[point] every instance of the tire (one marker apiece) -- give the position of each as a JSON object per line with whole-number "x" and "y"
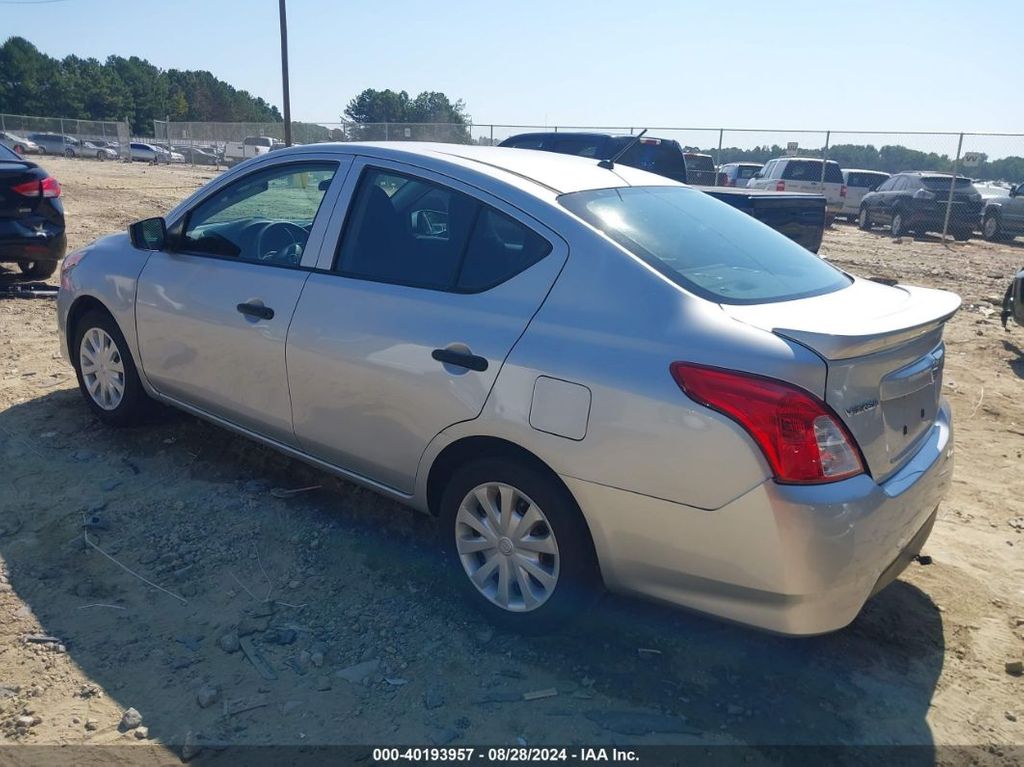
{"x": 38, "y": 270}
{"x": 133, "y": 405}
{"x": 898, "y": 226}
{"x": 829, "y": 221}
{"x": 69, "y": 152}
{"x": 991, "y": 227}
{"x": 962, "y": 235}
{"x": 864, "y": 220}
{"x": 42, "y": 149}
{"x": 100, "y": 156}
{"x": 557, "y": 547}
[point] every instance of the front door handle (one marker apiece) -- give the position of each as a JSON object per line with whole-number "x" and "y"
{"x": 259, "y": 311}
{"x": 460, "y": 359}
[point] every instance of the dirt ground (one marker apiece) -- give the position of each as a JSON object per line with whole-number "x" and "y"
{"x": 322, "y": 581}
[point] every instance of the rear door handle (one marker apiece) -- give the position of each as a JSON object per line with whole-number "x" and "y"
{"x": 259, "y": 311}
{"x": 460, "y": 359}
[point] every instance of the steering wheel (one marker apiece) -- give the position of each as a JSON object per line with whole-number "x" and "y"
{"x": 280, "y": 242}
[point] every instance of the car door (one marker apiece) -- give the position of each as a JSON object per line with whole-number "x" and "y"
{"x": 1013, "y": 211}
{"x": 212, "y": 311}
{"x": 881, "y": 208}
{"x": 403, "y": 329}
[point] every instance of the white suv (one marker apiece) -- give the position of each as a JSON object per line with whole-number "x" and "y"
{"x": 804, "y": 174}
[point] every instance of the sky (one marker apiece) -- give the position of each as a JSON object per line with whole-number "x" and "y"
{"x": 864, "y": 65}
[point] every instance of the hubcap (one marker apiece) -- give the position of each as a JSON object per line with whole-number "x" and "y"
{"x": 507, "y": 547}
{"x": 990, "y": 226}
{"x": 102, "y": 368}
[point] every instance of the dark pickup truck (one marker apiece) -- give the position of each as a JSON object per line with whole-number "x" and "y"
{"x": 801, "y": 217}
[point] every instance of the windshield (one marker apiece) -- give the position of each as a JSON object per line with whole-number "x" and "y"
{"x": 706, "y": 246}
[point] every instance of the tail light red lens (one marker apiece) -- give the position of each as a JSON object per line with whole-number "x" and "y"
{"x": 801, "y": 437}
{"x": 48, "y": 187}
{"x": 780, "y": 186}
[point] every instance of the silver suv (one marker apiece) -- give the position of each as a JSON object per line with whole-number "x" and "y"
{"x": 591, "y": 375}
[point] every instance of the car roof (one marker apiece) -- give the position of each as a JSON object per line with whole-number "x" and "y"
{"x": 531, "y": 169}
{"x": 804, "y": 159}
{"x": 865, "y": 170}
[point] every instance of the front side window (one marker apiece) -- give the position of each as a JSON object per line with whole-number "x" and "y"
{"x": 706, "y": 246}
{"x": 265, "y": 216}
{"x": 409, "y": 231}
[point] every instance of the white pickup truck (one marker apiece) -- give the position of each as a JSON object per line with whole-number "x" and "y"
{"x": 250, "y": 146}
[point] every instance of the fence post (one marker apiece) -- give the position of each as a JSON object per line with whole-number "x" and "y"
{"x": 492, "y": 134}
{"x": 385, "y": 131}
{"x": 824, "y": 156}
{"x": 3, "y": 123}
{"x": 952, "y": 186}
{"x": 718, "y": 157}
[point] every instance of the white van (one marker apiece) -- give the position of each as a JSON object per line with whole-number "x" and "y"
{"x": 859, "y": 183}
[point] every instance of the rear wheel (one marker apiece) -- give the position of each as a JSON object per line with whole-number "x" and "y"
{"x": 991, "y": 228}
{"x": 961, "y": 234}
{"x": 39, "y": 270}
{"x": 898, "y": 227}
{"x": 518, "y": 545}
{"x": 864, "y": 220}
{"x": 107, "y": 376}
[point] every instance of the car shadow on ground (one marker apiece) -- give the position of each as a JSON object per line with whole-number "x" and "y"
{"x": 185, "y": 504}
{"x": 1017, "y": 363}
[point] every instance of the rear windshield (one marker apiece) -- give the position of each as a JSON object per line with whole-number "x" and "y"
{"x": 699, "y": 161}
{"x": 706, "y": 246}
{"x": 663, "y": 158}
{"x": 747, "y": 171}
{"x": 810, "y": 170}
{"x": 867, "y": 180}
{"x": 942, "y": 182}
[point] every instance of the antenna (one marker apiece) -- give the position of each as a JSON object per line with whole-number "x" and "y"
{"x": 609, "y": 164}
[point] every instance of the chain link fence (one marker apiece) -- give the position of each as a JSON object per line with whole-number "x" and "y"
{"x": 88, "y": 139}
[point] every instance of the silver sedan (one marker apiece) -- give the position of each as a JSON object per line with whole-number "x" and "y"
{"x": 591, "y": 375}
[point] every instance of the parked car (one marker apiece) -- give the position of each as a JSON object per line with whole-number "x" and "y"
{"x": 1002, "y": 218}
{"x": 916, "y": 201}
{"x": 152, "y": 153}
{"x": 31, "y": 216}
{"x": 587, "y": 374}
{"x": 801, "y": 218}
{"x": 18, "y": 144}
{"x": 859, "y": 183}
{"x": 803, "y": 174}
{"x": 98, "y": 151}
{"x": 198, "y": 156}
{"x": 989, "y": 189}
{"x": 55, "y": 143}
{"x": 737, "y": 174}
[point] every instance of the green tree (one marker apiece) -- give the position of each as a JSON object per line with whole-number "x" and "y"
{"x": 430, "y": 116}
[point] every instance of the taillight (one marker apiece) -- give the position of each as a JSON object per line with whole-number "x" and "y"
{"x": 801, "y": 437}
{"x": 780, "y": 186}
{"x": 48, "y": 187}
{"x": 842, "y": 191}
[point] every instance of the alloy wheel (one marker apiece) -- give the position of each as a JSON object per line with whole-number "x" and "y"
{"x": 991, "y": 227}
{"x": 507, "y": 547}
{"x": 102, "y": 368}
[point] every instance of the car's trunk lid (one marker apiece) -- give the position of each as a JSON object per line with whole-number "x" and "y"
{"x": 884, "y": 351}
{"x": 13, "y": 173}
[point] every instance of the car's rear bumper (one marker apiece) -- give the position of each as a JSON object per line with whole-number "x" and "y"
{"x": 31, "y": 245}
{"x": 794, "y": 559}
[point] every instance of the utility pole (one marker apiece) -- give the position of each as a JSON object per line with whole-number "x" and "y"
{"x": 284, "y": 75}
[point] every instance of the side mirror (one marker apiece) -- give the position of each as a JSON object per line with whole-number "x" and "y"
{"x": 149, "y": 234}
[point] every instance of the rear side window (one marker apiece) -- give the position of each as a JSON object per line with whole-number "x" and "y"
{"x": 747, "y": 171}
{"x": 409, "y": 231}
{"x": 865, "y": 180}
{"x": 706, "y": 246}
{"x": 661, "y": 157}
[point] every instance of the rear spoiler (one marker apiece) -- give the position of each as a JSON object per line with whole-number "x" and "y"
{"x": 852, "y": 337}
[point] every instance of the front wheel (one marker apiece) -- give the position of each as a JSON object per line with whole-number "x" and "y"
{"x": 519, "y": 547}
{"x": 961, "y": 235}
{"x": 107, "y": 376}
{"x": 991, "y": 229}
{"x": 864, "y": 220}
{"x": 69, "y": 152}
{"x": 898, "y": 227}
